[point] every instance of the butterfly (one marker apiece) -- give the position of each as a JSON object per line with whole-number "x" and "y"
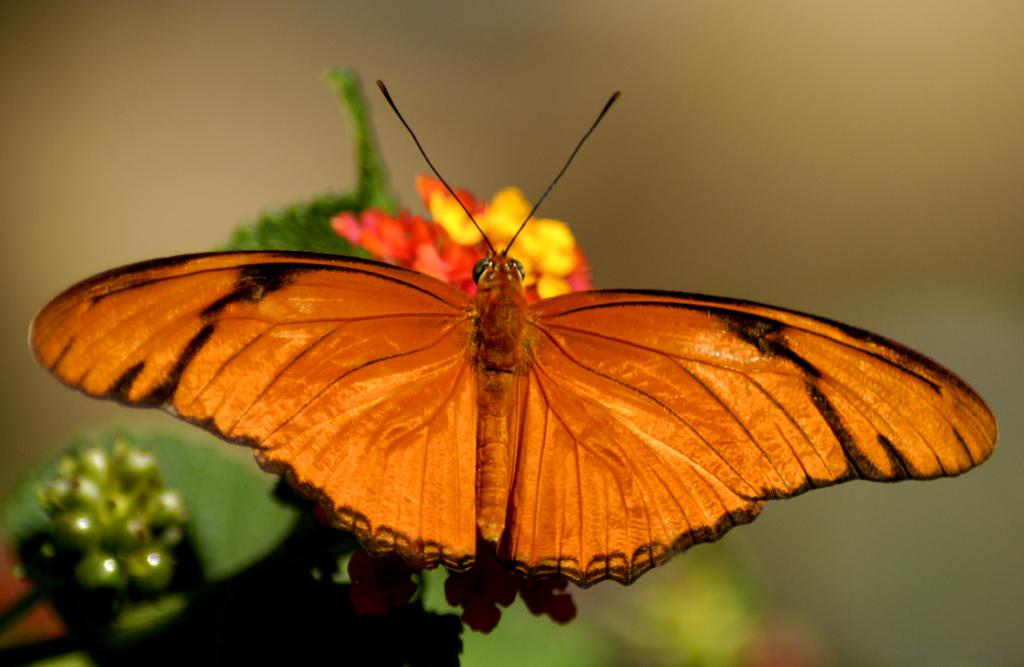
{"x": 587, "y": 436}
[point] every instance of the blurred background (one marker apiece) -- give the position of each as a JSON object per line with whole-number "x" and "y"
{"x": 862, "y": 161}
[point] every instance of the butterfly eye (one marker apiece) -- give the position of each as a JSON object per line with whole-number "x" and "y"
{"x": 480, "y": 267}
{"x": 519, "y": 267}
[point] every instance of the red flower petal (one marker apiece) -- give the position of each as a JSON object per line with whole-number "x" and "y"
{"x": 480, "y": 615}
{"x": 379, "y": 583}
{"x": 346, "y": 225}
{"x": 546, "y": 596}
{"x": 368, "y": 601}
{"x": 481, "y": 589}
{"x": 429, "y": 262}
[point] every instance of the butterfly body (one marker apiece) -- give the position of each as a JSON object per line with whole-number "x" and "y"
{"x": 501, "y": 361}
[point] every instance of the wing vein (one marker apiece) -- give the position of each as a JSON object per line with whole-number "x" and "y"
{"x": 326, "y": 320}
{"x": 277, "y": 266}
{"x": 280, "y": 372}
{"x": 216, "y": 374}
{"x": 735, "y": 418}
{"x": 623, "y": 457}
{"x": 158, "y": 305}
{"x": 859, "y": 406}
{"x": 799, "y": 427}
{"x": 924, "y": 399}
{"x": 341, "y": 377}
{"x": 626, "y": 459}
{"x": 540, "y": 466}
{"x": 657, "y": 402}
{"x": 782, "y": 325}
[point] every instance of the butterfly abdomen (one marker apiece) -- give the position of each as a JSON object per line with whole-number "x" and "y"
{"x": 500, "y": 360}
{"x": 496, "y": 399}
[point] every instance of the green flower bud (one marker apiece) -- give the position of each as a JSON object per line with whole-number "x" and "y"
{"x": 126, "y": 534}
{"x": 151, "y": 569}
{"x": 135, "y": 467}
{"x": 55, "y": 495}
{"x": 93, "y": 463}
{"x": 66, "y": 467}
{"x": 77, "y": 530}
{"x": 85, "y": 493}
{"x": 100, "y": 570}
{"x": 170, "y": 536}
{"x": 113, "y": 511}
{"x": 166, "y": 509}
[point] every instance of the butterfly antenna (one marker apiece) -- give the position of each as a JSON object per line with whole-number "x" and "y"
{"x": 607, "y": 105}
{"x": 387, "y": 96}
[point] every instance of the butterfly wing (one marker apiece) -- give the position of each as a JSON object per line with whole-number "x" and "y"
{"x": 350, "y": 377}
{"x": 652, "y": 421}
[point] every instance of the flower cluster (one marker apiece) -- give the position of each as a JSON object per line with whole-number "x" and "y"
{"x": 381, "y": 583}
{"x": 115, "y": 515}
{"x": 488, "y": 584}
{"x": 449, "y": 245}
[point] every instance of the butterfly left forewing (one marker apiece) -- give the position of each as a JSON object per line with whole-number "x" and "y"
{"x": 714, "y": 406}
{"x": 352, "y": 378}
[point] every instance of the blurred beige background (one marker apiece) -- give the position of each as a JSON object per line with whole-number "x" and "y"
{"x": 863, "y": 161}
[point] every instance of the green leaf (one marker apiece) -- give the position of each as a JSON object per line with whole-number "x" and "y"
{"x": 138, "y": 621}
{"x": 307, "y": 226}
{"x": 233, "y": 518}
{"x": 22, "y": 513}
{"x": 299, "y": 227}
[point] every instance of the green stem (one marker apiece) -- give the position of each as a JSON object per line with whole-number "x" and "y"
{"x": 13, "y": 613}
{"x": 372, "y": 188}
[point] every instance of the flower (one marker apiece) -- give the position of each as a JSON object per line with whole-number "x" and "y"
{"x": 548, "y": 596}
{"x": 448, "y": 246}
{"x": 378, "y": 584}
{"x": 481, "y": 589}
{"x": 488, "y": 584}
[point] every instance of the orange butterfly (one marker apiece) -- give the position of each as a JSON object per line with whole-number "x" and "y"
{"x": 588, "y": 436}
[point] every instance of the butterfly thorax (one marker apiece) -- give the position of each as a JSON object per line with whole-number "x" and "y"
{"x": 502, "y": 309}
{"x": 499, "y": 337}
{"x": 500, "y": 361}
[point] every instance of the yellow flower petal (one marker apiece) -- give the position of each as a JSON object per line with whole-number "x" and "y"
{"x": 548, "y": 286}
{"x": 446, "y": 211}
{"x": 551, "y": 245}
{"x": 555, "y": 233}
{"x": 527, "y": 245}
{"x": 510, "y": 201}
{"x": 504, "y": 214}
{"x": 559, "y": 262}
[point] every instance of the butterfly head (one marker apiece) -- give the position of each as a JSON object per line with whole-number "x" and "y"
{"x": 496, "y": 269}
